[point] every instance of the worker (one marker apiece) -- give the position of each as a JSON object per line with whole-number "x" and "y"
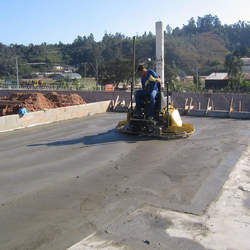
{"x": 22, "y": 110}
{"x": 149, "y": 81}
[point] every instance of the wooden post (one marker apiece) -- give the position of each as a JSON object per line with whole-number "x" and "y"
{"x": 208, "y": 104}
{"x": 122, "y": 103}
{"x": 185, "y": 105}
{"x": 231, "y": 105}
{"x": 111, "y": 105}
{"x": 116, "y": 101}
{"x": 199, "y": 105}
{"x": 190, "y": 104}
{"x": 240, "y": 106}
{"x": 191, "y": 107}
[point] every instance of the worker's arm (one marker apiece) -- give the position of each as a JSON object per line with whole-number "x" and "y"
{"x": 157, "y": 79}
{"x": 152, "y": 79}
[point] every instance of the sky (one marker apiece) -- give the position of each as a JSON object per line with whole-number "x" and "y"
{"x": 54, "y": 21}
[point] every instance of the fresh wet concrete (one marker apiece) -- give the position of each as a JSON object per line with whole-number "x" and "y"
{"x": 61, "y": 182}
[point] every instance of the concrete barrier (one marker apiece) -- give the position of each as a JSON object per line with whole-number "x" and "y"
{"x": 218, "y": 114}
{"x": 240, "y": 115}
{"x": 196, "y": 113}
{"x": 12, "y": 122}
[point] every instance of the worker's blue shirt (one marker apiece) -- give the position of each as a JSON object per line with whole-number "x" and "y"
{"x": 153, "y": 85}
{"x": 22, "y": 111}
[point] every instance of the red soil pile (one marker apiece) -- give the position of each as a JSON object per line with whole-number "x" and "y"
{"x": 37, "y": 101}
{"x": 61, "y": 100}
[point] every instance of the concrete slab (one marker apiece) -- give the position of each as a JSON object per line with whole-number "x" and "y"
{"x": 157, "y": 228}
{"x": 62, "y": 182}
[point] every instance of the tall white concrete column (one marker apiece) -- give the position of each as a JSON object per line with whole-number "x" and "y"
{"x": 160, "y": 51}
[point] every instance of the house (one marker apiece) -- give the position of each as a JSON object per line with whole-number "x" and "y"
{"x": 246, "y": 65}
{"x": 69, "y": 69}
{"x": 69, "y": 76}
{"x": 58, "y": 68}
{"x": 216, "y": 81}
{"x": 246, "y": 76}
{"x": 189, "y": 78}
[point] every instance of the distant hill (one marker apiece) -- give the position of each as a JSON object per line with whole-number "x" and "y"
{"x": 205, "y": 51}
{"x": 204, "y": 43}
{"x": 201, "y": 45}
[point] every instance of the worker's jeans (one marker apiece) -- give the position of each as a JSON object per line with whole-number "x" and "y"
{"x": 140, "y": 95}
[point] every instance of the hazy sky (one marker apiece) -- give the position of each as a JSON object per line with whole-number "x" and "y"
{"x": 51, "y": 21}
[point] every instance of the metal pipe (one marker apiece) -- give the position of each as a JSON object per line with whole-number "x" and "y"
{"x": 133, "y": 79}
{"x": 167, "y": 96}
{"x": 167, "y": 105}
{"x": 17, "y": 78}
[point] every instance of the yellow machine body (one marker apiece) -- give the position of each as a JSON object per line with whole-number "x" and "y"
{"x": 170, "y": 126}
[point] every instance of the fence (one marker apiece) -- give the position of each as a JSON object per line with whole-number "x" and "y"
{"x": 196, "y": 101}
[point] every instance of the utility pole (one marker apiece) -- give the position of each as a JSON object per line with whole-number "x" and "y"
{"x": 197, "y": 77}
{"x": 96, "y": 73}
{"x": 133, "y": 61}
{"x": 17, "y": 80}
{"x": 85, "y": 64}
{"x": 85, "y": 70}
{"x": 133, "y": 76}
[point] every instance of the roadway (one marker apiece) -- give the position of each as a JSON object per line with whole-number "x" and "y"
{"x": 61, "y": 182}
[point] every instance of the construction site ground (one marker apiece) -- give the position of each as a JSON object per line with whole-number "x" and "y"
{"x": 81, "y": 181}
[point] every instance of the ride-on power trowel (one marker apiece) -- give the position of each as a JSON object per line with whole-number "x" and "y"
{"x": 167, "y": 123}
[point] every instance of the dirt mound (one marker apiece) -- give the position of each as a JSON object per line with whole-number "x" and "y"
{"x": 62, "y": 100}
{"x": 37, "y": 101}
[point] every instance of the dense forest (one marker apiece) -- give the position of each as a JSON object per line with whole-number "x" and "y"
{"x": 201, "y": 44}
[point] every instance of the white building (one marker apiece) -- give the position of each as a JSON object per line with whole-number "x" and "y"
{"x": 246, "y": 65}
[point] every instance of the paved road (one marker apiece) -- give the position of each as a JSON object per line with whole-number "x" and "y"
{"x": 61, "y": 182}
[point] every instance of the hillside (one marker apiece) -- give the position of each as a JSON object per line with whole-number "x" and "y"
{"x": 201, "y": 44}
{"x": 188, "y": 52}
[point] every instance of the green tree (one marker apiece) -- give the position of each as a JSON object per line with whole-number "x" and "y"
{"x": 233, "y": 65}
{"x": 197, "y": 80}
{"x": 117, "y": 71}
{"x": 170, "y": 74}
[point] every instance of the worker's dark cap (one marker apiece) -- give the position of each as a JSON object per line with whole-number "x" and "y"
{"x": 140, "y": 67}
